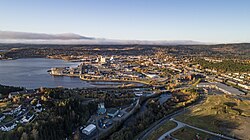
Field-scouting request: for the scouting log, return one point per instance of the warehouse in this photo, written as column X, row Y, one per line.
column 89, row 129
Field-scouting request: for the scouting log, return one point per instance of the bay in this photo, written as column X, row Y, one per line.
column 32, row 73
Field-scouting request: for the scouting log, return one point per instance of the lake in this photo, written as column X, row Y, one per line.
column 32, row 73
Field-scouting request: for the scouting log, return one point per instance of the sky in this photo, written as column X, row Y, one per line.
column 218, row 21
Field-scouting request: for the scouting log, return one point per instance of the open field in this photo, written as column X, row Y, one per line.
column 187, row 133
column 222, row 114
column 161, row 130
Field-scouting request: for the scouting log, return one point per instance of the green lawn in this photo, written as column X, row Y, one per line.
column 161, row 130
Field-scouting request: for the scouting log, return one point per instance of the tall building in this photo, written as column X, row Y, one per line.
column 103, row 59
column 101, row 108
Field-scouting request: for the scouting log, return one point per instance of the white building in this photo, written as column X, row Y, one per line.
column 244, row 86
column 38, row 108
column 27, row 118
column 103, row 59
column 89, row 129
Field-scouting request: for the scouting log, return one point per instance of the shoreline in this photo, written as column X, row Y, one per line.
column 101, row 80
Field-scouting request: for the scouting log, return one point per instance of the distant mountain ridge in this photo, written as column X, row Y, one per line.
column 25, row 35
column 71, row 38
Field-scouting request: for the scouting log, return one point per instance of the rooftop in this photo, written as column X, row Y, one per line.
column 89, row 128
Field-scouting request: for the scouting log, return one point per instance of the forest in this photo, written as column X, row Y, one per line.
column 225, row 66
column 5, row 90
column 65, row 110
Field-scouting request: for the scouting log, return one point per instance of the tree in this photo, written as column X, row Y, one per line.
column 34, row 134
column 24, row 136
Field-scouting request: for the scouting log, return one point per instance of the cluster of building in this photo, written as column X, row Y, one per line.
column 105, row 119
column 101, row 68
column 16, row 114
column 238, row 80
column 222, row 87
column 147, row 69
column 131, row 68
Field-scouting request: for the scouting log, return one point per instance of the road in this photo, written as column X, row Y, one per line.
column 21, row 116
column 157, row 124
column 176, row 89
column 181, row 124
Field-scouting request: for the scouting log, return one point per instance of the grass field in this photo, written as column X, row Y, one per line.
column 222, row 114
column 187, row 133
column 161, row 130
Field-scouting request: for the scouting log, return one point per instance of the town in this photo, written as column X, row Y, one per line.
column 163, row 85
column 154, row 71
column 124, row 70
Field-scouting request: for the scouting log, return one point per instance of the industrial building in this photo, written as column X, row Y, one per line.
column 89, row 129
column 113, row 112
column 222, row 87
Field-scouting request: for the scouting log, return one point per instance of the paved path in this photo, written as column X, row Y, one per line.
column 181, row 124
column 157, row 124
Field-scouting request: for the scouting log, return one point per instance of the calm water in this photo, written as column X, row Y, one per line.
column 32, row 73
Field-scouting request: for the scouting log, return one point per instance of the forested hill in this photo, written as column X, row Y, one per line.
column 221, row 50
column 5, row 90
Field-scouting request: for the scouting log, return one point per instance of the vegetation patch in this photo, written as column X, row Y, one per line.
column 161, row 130
column 222, row 114
column 187, row 133
column 226, row 65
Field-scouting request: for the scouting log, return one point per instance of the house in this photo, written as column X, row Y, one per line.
column 27, row 118
column 2, row 117
column 24, row 92
column 8, row 127
column 138, row 94
column 8, row 112
column 38, row 108
column 232, row 82
column 244, row 86
column 12, row 94
column 113, row 112
column 89, row 129
column 151, row 75
column 13, row 111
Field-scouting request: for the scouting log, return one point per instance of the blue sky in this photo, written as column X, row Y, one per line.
column 199, row 20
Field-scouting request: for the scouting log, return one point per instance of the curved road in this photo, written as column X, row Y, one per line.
column 157, row 124
column 181, row 124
